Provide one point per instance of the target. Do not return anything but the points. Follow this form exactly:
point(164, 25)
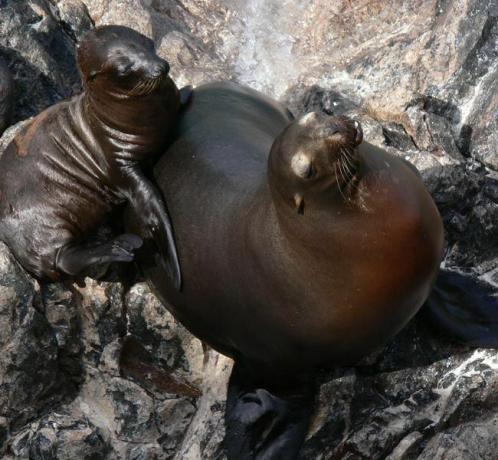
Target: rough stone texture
point(105, 372)
point(38, 45)
point(59, 436)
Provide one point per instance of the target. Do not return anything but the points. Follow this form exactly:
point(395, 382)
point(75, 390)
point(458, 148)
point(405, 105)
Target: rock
point(469, 440)
point(6, 100)
point(204, 436)
point(174, 417)
point(60, 437)
point(74, 18)
point(104, 371)
point(417, 387)
point(37, 42)
point(30, 380)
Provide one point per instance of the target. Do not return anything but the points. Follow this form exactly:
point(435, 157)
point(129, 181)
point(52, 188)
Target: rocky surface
point(104, 371)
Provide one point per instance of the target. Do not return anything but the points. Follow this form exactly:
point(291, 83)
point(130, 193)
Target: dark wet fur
point(74, 163)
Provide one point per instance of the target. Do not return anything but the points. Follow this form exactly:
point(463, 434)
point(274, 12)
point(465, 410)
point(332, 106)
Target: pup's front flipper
point(464, 308)
point(80, 259)
point(153, 222)
point(264, 423)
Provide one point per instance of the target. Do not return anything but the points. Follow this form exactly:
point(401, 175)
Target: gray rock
point(477, 439)
point(30, 380)
point(104, 371)
point(37, 42)
point(60, 437)
point(420, 385)
point(6, 100)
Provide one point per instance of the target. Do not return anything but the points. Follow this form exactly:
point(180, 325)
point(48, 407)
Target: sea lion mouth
point(147, 86)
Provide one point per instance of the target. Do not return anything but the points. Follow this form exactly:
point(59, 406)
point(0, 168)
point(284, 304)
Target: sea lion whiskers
point(347, 170)
point(348, 158)
point(146, 86)
point(337, 180)
point(351, 179)
point(351, 160)
point(349, 164)
point(136, 88)
point(343, 172)
point(141, 88)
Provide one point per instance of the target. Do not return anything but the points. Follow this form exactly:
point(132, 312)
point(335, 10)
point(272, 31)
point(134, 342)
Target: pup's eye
point(93, 75)
point(124, 68)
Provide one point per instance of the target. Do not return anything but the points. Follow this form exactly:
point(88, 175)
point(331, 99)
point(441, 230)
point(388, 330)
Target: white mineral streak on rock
point(442, 408)
point(415, 73)
point(471, 367)
point(474, 99)
point(400, 450)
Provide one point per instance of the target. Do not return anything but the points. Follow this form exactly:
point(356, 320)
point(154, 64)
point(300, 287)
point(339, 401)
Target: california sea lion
point(79, 159)
point(300, 246)
point(6, 96)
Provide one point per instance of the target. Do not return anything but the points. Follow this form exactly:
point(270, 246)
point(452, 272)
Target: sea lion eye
point(302, 166)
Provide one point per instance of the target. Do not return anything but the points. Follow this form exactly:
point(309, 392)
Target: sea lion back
point(226, 132)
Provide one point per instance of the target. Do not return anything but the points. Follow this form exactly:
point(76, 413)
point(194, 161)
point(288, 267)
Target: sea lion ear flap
point(299, 203)
point(359, 133)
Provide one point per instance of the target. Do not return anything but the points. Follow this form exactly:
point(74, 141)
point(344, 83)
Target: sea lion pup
point(301, 246)
point(6, 96)
point(78, 160)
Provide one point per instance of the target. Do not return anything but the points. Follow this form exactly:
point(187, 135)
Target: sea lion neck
point(129, 116)
point(132, 129)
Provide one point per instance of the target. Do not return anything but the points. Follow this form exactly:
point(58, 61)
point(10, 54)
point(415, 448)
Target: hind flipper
point(464, 308)
point(265, 421)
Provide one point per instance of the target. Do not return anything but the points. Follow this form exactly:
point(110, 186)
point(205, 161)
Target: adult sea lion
point(6, 96)
point(78, 160)
point(300, 246)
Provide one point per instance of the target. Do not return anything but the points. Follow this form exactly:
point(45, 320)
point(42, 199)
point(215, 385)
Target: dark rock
point(130, 382)
point(6, 95)
point(30, 381)
point(38, 47)
point(173, 418)
point(60, 437)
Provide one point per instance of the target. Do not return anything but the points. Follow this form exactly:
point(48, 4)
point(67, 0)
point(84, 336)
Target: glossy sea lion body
point(78, 160)
point(6, 96)
point(287, 273)
point(300, 247)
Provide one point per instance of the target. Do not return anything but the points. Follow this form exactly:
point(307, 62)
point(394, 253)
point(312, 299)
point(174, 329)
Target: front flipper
point(76, 260)
point(153, 222)
point(264, 423)
point(464, 308)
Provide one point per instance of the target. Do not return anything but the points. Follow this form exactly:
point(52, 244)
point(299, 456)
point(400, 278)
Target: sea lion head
point(121, 61)
point(314, 159)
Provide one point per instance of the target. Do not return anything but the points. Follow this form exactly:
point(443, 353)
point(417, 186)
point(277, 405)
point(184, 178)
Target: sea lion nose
point(358, 132)
point(160, 68)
